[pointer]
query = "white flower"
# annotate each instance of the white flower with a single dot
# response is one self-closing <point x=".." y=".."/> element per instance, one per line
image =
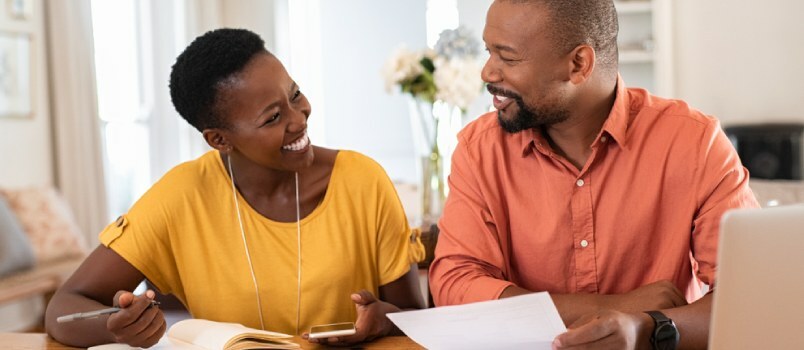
<point x="458" y="81"/>
<point x="403" y="65"/>
<point x="457" y="43"/>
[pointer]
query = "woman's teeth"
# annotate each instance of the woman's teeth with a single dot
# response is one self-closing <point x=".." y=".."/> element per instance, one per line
<point x="299" y="144"/>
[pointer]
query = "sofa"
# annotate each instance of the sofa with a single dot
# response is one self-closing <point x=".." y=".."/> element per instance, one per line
<point x="40" y="247"/>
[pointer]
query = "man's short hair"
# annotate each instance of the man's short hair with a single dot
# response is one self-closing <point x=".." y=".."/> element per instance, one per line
<point x="203" y="67"/>
<point x="590" y="22"/>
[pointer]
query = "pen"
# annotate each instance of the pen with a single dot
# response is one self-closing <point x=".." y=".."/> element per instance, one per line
<point x="93" y="314"/>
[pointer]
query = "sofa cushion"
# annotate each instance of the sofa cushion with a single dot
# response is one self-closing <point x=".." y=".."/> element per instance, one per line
<point x="47" y="220"/>
<point x="15" y="248"/>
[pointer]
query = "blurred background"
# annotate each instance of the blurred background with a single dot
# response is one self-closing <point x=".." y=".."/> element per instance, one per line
<point x="85" y="110"/>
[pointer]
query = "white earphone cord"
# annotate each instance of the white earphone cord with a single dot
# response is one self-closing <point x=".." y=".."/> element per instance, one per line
<point x="248" y="255"/>
<point x="245" y="244"/>
<point x="298" y="254"/>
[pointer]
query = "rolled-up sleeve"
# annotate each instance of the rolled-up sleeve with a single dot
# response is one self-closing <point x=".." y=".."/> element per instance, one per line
<point x="469" y="264"/>
<point x="723" y="186"/>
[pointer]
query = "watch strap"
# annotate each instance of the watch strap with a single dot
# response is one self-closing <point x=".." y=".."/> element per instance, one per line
<point x="662" y="323"/>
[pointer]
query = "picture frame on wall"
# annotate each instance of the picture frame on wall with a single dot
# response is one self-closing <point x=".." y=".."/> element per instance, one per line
<point x="15" y="75"/>
<point x="19" y="9"/>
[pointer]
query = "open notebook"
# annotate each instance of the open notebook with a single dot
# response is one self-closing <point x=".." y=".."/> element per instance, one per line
<point x="204" y="334"/>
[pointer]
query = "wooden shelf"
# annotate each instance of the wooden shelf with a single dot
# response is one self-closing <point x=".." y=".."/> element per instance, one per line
<point x="629" y="7"/>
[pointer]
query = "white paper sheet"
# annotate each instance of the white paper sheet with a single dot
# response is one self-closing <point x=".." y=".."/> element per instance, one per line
<point x="524" y="322"/>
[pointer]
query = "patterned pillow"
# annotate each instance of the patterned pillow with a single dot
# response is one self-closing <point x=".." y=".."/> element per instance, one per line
<point x="15" y="250"/>
<point x="47" y="220"/>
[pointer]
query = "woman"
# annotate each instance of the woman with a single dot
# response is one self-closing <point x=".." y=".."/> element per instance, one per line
<point x="223" y="232"/>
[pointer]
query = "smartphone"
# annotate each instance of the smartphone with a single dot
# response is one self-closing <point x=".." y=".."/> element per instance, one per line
<point x="332" y="330"/>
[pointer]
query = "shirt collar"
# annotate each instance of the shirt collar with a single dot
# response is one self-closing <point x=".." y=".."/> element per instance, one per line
<point x="616" y="123"/>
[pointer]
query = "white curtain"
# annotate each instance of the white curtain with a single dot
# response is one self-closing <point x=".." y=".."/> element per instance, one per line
<point x="76" y="128"/>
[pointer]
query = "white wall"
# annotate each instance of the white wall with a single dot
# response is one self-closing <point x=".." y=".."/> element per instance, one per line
<point x="742" y="61"/>
<point x="27" y="157"/>
<point x="357" y="38"/>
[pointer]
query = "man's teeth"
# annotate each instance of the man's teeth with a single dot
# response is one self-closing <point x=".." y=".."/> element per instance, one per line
<point x="501" y="98"/>
<point x="298" y="145"/>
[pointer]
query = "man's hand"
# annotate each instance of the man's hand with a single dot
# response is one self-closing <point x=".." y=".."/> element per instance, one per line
<point x="607" y="329"/>
<point x="655" y="296"/>
<point x="137" y="323"/>
<point x="371" y="321"/>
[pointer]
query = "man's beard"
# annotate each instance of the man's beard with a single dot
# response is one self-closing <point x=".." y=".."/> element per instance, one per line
<point x="527" y="117"/>
<point x="530" y="118"/>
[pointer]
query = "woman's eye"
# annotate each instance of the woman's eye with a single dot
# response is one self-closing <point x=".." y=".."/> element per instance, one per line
<point x="272" y="119"/>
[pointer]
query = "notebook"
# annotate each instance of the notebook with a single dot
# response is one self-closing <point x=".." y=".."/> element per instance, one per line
<point x="759" y="298"/>
<point x="197" y="334"/>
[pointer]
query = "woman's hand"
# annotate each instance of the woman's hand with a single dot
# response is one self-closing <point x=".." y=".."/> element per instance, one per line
<point x="137" y="323"/>
<point x="371" y="321"/>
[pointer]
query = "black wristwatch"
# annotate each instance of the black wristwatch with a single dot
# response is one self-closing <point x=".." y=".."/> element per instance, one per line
<point x="665" y="335"/>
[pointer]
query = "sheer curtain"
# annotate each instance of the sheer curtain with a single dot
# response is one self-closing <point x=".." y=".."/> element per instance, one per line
<point x="76" y="133"/>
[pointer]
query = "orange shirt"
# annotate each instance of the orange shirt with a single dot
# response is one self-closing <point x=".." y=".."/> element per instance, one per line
<point x="645" y="207"/>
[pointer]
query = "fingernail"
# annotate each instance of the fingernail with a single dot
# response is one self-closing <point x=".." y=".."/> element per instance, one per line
<point x="356" y="297"/>
<point x="151" y="294"/>
<point x="557" y="342"/>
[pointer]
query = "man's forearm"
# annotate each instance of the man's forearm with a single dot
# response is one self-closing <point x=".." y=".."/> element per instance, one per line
<point x="570" y="306"/>
<point x="692" y="322"/>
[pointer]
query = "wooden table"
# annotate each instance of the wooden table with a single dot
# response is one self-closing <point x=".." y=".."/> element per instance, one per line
<point x="31" y="341"/>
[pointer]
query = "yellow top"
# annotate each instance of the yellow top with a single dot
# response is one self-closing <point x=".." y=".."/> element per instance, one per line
<point x="184" y="236"/>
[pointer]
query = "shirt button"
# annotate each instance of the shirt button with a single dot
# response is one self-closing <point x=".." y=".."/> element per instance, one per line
<point x="579" y="182"/>
<point x="584" y="243"/>
<point x="603" y="139"/>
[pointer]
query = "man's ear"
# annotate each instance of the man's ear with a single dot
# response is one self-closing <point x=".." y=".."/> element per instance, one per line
<point x="217" y="140"/>
<point x="581" y="63"/>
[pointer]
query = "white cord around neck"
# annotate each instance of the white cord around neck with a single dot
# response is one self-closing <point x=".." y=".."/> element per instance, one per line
<point x="298" y="255"/>
<point x="245" y="244"/>
<point x="248" y="255"/>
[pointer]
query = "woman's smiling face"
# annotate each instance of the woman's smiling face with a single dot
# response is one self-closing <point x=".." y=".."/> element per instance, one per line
<point x="266" y="115"/>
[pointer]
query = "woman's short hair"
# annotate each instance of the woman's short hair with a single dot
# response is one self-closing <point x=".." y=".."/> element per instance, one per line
<point x="203" y="69"/>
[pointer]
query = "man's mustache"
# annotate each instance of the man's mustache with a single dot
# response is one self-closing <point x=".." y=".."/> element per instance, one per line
<point x="502" y="92"/>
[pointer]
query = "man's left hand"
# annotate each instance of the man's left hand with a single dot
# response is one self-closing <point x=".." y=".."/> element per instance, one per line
<point x="607" y="329"/>
<point x="371" y="321"/>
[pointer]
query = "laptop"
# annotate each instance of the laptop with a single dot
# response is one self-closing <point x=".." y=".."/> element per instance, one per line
<point x="759" y="298"/>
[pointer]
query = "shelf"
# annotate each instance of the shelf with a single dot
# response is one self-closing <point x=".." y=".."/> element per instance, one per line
<point x="628" y="7"/>
<point x="635" y="56"/>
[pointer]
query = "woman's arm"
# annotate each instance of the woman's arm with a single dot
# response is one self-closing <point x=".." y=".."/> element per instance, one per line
<point x="405" y="293"/>
<point x="95" y="285"/>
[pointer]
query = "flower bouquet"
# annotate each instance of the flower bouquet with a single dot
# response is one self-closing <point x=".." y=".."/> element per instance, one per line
<point x="442" y="82"/>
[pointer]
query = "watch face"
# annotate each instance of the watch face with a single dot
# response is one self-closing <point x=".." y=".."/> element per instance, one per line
<point x="666" y="336"/>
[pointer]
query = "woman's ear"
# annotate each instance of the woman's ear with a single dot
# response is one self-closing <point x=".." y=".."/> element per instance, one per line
<point x="217" y="140"/>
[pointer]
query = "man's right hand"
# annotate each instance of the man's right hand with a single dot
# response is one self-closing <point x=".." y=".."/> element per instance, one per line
<point x="655" y="296"/>
<point x="137" y="323"/>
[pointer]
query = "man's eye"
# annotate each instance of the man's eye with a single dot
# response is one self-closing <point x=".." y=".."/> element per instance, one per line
<point x="296" y="95"/>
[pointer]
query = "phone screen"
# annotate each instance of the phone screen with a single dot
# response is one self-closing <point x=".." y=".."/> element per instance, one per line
<point x="332" y="330"/>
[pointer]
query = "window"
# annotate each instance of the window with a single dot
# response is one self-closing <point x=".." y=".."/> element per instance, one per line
<point x="124" y="104"/>
<point x="441" y="15"/>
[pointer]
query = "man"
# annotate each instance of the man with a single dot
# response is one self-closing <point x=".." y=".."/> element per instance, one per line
<point x="609" y="198"/>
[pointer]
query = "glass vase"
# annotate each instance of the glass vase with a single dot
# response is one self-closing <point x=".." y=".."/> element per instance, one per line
<point x="432" y="188"/>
